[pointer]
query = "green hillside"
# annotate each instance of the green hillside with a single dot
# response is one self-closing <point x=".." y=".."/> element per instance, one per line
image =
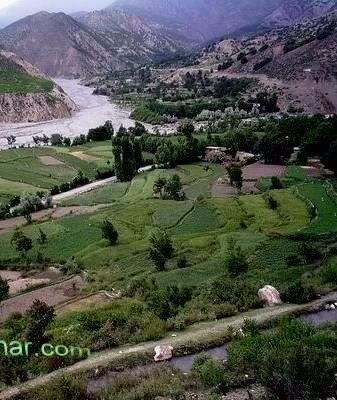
<point x="14" y="79"/>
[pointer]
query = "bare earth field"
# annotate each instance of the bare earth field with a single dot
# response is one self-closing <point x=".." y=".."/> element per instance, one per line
<point x="51" y="295"/>
<point x="255" y="171"/>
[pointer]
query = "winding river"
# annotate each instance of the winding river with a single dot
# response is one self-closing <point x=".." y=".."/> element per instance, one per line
<point x="94" y="111"/>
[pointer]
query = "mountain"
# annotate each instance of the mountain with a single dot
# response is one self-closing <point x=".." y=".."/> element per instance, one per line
<point x="26" y="95"/>
<point x="59" y="45"/>
<point x="199" y="20"/>
<point x="204" y="20"/>
<point x="294" y="11"/>
<point x="128" y="36"/>
<point x="298" y="62"/>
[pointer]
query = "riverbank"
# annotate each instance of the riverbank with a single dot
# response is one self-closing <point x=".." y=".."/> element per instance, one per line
<point x="93" y="111"/>
<point x="195" y="339"/>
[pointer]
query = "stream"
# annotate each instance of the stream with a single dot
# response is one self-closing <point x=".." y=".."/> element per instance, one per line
<point x="185" y="363"/>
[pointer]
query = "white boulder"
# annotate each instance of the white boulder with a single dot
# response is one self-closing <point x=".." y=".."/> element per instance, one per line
<point x="270" y="296"/>
<point x="163" y="353"/>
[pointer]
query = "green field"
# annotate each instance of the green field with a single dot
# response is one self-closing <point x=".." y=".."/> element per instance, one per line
<point x="15" y="79"/>
<point x="325" y="202"/>
<point x="200" y="229"/>
<point x="25" y="166"/>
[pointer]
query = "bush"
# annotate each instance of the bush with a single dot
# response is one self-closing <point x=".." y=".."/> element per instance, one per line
<point x="299" y="294"/>
<point x="208" y="371"/>
<point x="64" y="388"/>
<point x="329" y="274"/>
<point x="182" y="262"/>
<point x="109" y="232"/>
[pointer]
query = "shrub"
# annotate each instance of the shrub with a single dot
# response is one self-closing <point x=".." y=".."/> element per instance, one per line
<point x="109" y="232"/>
<point x="182" y="262"/>
<point x="299" y="294"/>
<point x="208" y="371"/>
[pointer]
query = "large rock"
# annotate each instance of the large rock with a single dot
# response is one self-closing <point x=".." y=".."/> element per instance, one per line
<point x="163" y="353"/>
<point x="270" y="296"/>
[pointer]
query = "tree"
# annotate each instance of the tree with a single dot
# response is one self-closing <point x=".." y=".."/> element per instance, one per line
<point x="159" y="186"/>
<point x="11" y="140"/>
<point x="158" y="259"/>
<point x="42" y="237"/>
<point x="235" y="176"/>
<point x="4" y="289"/>
<point x="22" y="243"/>
<point x="160" y="241"/>
<point x="173" y="188"/>
<point x="40" y="315"/>
<point x="169" y="189"/>
<point x="109" y="232"/>
<point x="30" y="203"/>
<point x="236" y="262"/>
<point x="56" y="139"/>
<point x="276" y="183"/>
<point x="186" y="129"/>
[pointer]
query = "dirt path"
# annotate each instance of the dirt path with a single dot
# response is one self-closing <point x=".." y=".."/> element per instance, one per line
<point x="43" y="215"/>
<point x="199" y="333"/>
<point x="83" y="189"/>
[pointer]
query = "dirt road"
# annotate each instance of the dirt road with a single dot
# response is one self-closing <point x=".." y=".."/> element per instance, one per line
<point x="199" y="333"/>
<point x="83" y="189"/>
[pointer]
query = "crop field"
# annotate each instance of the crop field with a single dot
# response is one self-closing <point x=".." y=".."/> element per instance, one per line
<point x="25" y="166"/>
<point x="200" y="230"/>
<point x="325" y="202"/>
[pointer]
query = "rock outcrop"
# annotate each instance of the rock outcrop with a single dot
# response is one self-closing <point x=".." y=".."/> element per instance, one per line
<point x="270" y="296"/>
<point x="163" y="353"/>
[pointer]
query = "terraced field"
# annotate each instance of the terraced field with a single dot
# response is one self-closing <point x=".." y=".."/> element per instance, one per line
<point x="324" y="199"/>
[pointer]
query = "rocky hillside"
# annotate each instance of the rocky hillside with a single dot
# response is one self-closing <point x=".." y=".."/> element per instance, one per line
<point x="294" y="11"/>
<point x="301" y="58"/>
<point x="199" y="20"/>
<point x="203" y="20"/>
<point x="87" y="45"/>
<point x="59" y="45"/>
<point x="128" y="36"/>
<point x="26" y="95"/>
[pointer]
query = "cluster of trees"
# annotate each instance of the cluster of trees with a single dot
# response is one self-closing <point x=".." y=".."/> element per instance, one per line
<point x="25" y="205"/>
<point x="79" y="180"/>
<point x="169" y="189"/>
<point x="226" y="64"/>
<point x="99" y="134"/>
<point x="262" y="63"/>
<point x="314" y="135"/>
<point x="128" y="156"/>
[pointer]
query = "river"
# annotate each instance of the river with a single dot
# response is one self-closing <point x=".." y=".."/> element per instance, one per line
<point x="94" y="111"/>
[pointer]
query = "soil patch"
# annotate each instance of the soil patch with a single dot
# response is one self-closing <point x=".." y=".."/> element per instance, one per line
<point x="258" y="170"/>
<point x="48" y="160"/>
<point x="52" y="295"/>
